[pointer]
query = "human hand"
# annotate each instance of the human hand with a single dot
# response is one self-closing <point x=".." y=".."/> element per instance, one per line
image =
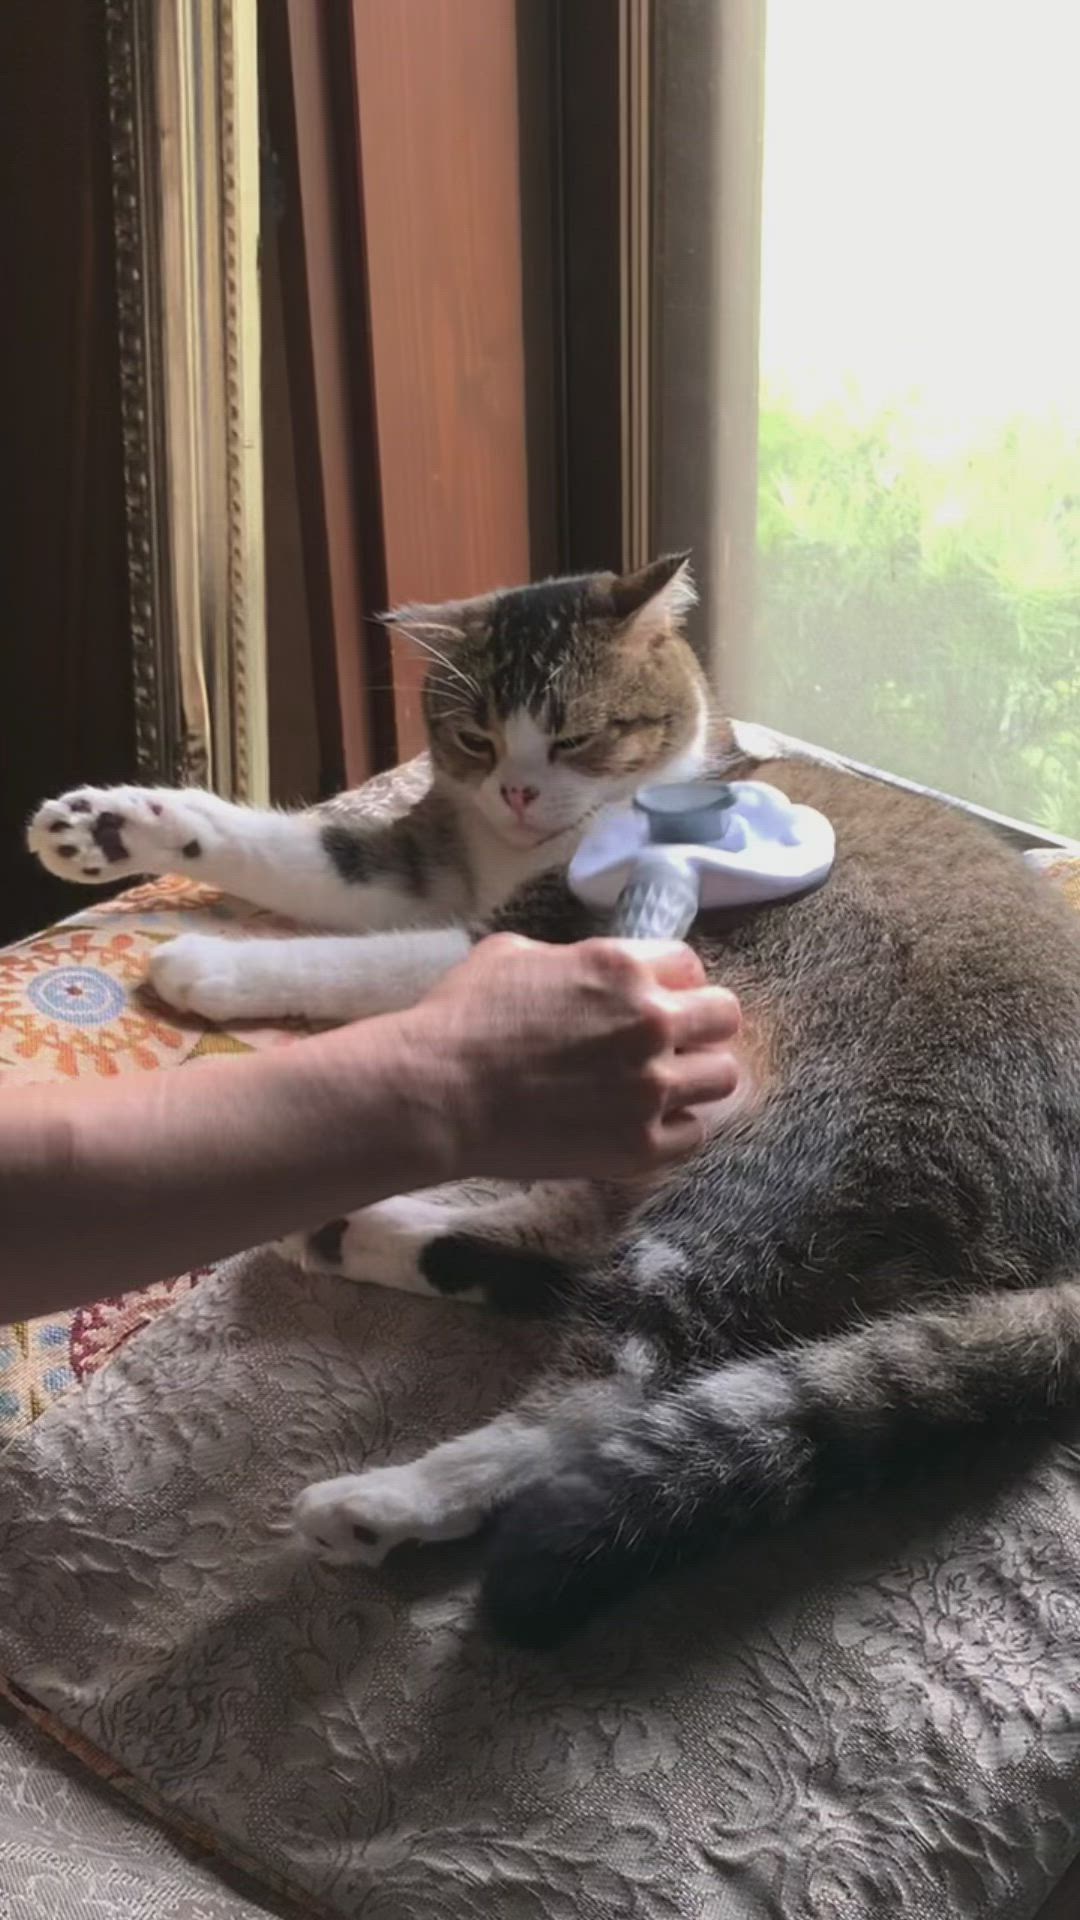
<point x="583" y="1061"/>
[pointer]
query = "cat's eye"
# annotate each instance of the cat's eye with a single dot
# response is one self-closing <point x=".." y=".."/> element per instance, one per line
<point x="572" y="742"/>
<point x="473" y="742"/>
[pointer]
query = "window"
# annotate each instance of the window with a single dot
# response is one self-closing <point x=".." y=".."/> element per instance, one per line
<point x="917" y="596"/>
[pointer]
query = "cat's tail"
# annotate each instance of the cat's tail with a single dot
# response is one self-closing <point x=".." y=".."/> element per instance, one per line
<point x="752" y="1442"/>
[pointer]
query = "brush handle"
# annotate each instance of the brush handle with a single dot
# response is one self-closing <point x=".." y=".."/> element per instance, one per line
<point x="660" y="903"/>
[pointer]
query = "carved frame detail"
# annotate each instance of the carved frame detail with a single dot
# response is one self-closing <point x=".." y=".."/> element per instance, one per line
<point x="184" y="121"/>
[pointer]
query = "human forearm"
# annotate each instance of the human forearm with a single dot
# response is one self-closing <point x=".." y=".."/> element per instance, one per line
<point x="526" y="1062"/>
<point x="110" y="1187"/>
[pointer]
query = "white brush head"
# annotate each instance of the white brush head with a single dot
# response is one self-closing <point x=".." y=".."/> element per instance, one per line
<point x="756" y="845"/>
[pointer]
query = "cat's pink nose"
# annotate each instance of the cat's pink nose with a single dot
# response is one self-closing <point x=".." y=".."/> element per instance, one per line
<point x="519" y="799"/>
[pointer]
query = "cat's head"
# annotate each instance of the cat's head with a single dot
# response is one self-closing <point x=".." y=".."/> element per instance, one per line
<point x="548" y="701"/>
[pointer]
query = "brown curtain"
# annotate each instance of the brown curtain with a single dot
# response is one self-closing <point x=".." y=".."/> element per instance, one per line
<point x="397" y="132"/>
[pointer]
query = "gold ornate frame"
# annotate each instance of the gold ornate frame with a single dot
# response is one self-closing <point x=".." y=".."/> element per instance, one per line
<point x="184" y="119"/>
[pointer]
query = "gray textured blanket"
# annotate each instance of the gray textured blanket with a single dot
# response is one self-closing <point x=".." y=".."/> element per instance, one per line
<point x="877" y="1714"/>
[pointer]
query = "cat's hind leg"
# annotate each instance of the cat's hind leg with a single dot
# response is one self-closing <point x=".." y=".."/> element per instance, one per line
<point x="517" y="1253"/>
<point x="451" y="1491"/>
<point x="447" y="1494"/>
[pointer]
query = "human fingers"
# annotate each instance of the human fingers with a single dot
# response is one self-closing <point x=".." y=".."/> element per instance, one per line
<point x="678" y="1136"/>
<point x="698" y="1079"/>
<point x="702" y="1017"/>
<point x="670" y="963"/>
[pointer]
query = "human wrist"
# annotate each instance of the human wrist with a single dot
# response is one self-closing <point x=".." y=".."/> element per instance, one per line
<point x="395" y="1100"/>
<point x="436" y="1078"/>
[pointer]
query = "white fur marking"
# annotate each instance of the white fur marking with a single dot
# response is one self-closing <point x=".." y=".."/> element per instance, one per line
<point x="527" y="745"/>
<point x="657" y="1260"/>
<point x="636" y="1360"/>
<point x="750" y="1390"/>
<point x="382" y="1245"/>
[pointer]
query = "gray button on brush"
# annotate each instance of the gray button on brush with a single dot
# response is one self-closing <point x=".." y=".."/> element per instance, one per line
<point x="691" y="813"/>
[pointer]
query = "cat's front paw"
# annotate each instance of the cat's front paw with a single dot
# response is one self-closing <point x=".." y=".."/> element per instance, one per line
<point x="105" y="833"/>
<point x="200" y="974"/>
<point x="359" y="1518"/>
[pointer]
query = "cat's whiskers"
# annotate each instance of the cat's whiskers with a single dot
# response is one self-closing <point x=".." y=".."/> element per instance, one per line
<point x="443" y="660"/>
<point x="440" y="683"/>
<point x="451" y="706"/>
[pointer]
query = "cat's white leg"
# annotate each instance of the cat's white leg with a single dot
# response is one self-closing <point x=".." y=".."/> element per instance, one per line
<point x="298" y="864"/>
<point x="383" y="1244"/>
<point x="103" y="833"/>
<point x="324" y="977"/>
<point x="386" y="1244"/>
<point x="446" y="1495"/>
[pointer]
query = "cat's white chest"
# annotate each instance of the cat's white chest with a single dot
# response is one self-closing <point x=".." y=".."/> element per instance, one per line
<point x="505" y="869"/>
<point x="499" y="870"/>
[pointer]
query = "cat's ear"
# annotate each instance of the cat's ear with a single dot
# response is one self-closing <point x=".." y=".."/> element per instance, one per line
<point x="445" y="625"/>
<point x="432" y="626"/>
<point x="652" y="602"/>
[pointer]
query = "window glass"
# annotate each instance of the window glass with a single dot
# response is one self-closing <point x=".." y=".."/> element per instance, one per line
<point x="918" y="588"/>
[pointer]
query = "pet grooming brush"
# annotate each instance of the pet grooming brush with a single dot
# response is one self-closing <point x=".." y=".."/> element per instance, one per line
<point x="692" y="847"/>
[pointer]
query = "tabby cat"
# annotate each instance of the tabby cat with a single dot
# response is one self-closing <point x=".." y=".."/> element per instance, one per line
<point x="877" y="1246"/>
